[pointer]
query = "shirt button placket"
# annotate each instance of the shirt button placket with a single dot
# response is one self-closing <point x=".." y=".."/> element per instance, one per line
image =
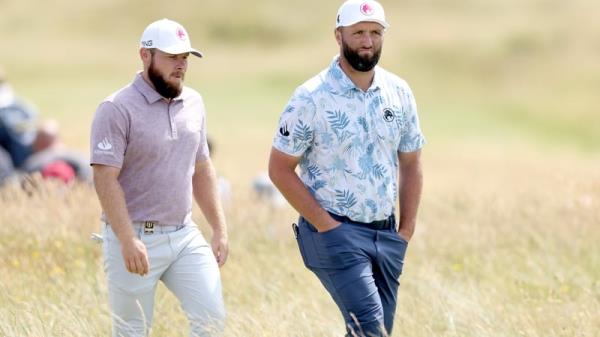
<point x="172" y="122"/>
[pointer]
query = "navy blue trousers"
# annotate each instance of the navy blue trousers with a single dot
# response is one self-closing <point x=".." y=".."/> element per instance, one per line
<point x="360" y="268"/>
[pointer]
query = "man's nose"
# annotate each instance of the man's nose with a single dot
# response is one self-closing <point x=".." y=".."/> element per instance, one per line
<point x="367" y="41"/>
<point x="181" y="64"/>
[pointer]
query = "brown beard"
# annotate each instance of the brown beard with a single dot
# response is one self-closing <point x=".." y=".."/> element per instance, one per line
<point x="164" y="88"/>
<point x="360" y="63"/>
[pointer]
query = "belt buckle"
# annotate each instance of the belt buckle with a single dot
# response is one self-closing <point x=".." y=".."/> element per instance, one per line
<point x="149" y="227"/>
<point x="380" y="224"/>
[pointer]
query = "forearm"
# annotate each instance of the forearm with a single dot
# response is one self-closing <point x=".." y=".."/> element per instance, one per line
<point x="411" y="184"/>
<point x="206" y="195"/>
<point x="296" y="193"/>
<point x="112" y="200"/>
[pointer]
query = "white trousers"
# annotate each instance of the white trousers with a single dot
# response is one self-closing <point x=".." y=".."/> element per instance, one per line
<point x="184" y="262"/>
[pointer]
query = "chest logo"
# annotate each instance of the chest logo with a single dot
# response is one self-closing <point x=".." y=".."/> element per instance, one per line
<point x="388" y="115"/>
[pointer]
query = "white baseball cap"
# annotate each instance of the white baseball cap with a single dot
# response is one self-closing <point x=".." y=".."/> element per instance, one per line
<point x="169" y="37"/>
<point x="355" y="11"/>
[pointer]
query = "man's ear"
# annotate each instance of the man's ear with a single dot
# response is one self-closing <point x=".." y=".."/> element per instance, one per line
<point x="338" y="36"/>
<point x="145" y="55"/>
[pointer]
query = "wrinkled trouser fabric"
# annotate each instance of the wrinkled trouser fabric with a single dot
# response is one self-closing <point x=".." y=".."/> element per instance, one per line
<point x="184" y="262"/>
<point x="360" y="268"/>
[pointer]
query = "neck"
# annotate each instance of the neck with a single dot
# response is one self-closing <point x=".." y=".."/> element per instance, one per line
<point x="362" y="79"/>
<point x="147" y="79"/>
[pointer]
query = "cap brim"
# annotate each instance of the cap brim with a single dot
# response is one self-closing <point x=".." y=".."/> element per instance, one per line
<point x="196" y="53"/>
<point x="182" y="51"/>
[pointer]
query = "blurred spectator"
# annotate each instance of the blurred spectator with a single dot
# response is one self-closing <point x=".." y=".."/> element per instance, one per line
<point x="17" y="125"/>
<point x="59" y="170"/>
<point x="264" y="188"/>
<point x="78" y="163"/>
<point x="6" y="167"/>
<point x="25" y="146"/>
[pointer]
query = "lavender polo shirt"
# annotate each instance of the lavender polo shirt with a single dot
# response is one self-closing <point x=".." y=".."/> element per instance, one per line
<point x="156" y="144"/>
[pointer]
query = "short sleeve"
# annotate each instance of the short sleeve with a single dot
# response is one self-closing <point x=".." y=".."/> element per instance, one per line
<point x="412" y="138"/>
<point x="295" y="134"/>
<point x="109" y="132"/>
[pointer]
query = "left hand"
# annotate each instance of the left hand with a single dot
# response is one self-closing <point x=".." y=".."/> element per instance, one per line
<point x="220" y="247"/>
<point x="405" y="234"/>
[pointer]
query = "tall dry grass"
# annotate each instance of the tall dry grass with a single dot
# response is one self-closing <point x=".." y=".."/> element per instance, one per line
<point x="505" y="246"/>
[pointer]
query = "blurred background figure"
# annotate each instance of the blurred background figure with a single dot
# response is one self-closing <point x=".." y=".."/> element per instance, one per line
<point x="49" y="160"/>
<point x="17" y="125"/>
<point x="28" y="146"/>
<point x="6" y="167"/>
<point x="267" y="192"/>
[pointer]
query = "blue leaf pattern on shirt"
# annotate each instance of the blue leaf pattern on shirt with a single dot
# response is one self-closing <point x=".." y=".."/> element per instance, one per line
<point x="326" y="138"/>
<point x="302" y="134"/>
<point x="338" y="121"/>
<point x="318" y="184"/>
<point x="372" y="205"/>
<point x="363" y="122"/>
<point x="313" y="172"/>
<point x="338" y="164"/>
<point x="378" y="171"/>
<point x="382" y="190"/>
<point x="345" y="199"/>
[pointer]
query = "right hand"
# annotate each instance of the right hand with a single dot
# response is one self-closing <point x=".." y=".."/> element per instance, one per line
<point x="135" y="256"/>
<point x="331" y="225"/>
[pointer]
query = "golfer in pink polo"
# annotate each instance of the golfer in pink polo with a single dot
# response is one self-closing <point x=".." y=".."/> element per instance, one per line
<point x="150" y="159"/>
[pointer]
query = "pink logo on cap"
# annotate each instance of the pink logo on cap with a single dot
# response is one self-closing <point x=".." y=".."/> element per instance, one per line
<point x="180" y="33"/>
<point x="366" y="9"/>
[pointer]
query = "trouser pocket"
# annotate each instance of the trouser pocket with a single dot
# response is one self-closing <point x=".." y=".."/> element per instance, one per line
<point x="306" y="244"/>
<point x="393" y="247"/>
<point x="334" y="249"/>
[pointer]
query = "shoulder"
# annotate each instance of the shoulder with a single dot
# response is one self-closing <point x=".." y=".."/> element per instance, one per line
<point x="191" y="95"/>
<point x="392" y="79"/>
<point x="316" y="83"/>
<point x="125" y="94"/>
<point x="118" y="101"/>
<point x="312" y="86"/>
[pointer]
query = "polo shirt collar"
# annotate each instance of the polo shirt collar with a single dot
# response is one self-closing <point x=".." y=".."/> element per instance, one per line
<point x="339" y="81"/>
<point x="149" y="93"/>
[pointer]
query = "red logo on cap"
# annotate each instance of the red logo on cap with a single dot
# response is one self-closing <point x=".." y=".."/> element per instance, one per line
<point x="366" y="9"/>
<point x="180" y="33"/>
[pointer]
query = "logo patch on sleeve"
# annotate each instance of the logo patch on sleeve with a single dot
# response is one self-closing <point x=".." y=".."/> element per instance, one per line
<point x="105" y="145"/>
<point x="283" y="130"/>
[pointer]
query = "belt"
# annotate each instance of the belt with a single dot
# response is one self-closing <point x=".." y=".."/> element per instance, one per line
<point x="388" y="223"/>
<point x="151" y="227"/>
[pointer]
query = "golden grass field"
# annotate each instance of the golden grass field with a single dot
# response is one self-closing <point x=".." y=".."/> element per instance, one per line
<point x="507" y="238"/>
